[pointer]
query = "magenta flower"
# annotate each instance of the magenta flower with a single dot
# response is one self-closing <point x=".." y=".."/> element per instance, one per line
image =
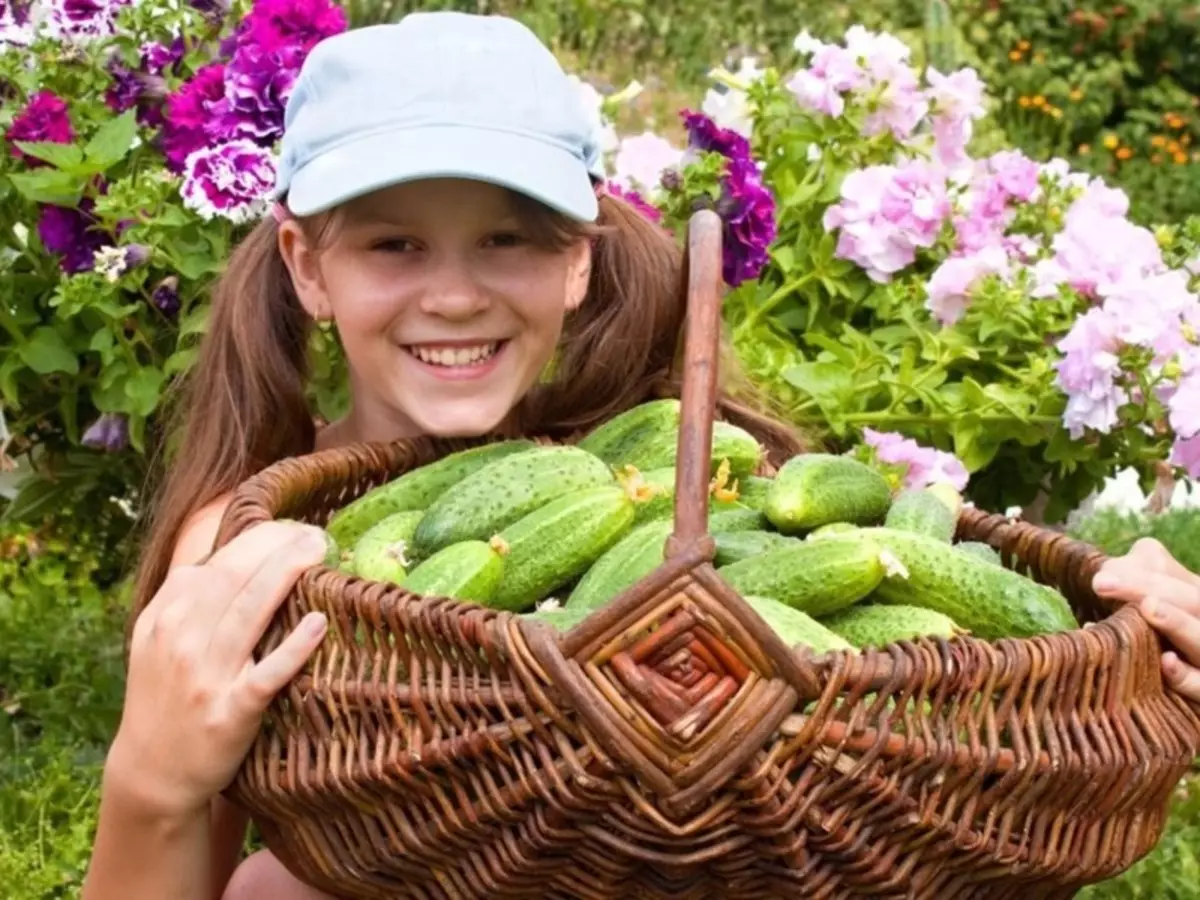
<point x="166" y="296"/>
<point x="109" y="433"/>
<point x="72" y="235"/>
<point x="704" y="135"/>
<point x="44" y="118"/>
<point x="257" y="86"/>
<point x="273" y="24"/>
<point x="229" y="181"/>
<point x="636" y="200"/>
<point x="190" y="114"/>
<point x="83" y="20"/>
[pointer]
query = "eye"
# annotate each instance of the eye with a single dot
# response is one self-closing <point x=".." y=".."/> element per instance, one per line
<point x="505" y="239"/>
<point x="393" y="245"/>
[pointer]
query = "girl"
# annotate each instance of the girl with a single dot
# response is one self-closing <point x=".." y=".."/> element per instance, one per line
<point x="440" y="199"/>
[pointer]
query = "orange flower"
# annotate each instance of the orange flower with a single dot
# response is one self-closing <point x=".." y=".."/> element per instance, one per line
<point x="1180" y="158"/>
<point x="1023" y="45"/>
<point x="1173" y="147"/>
<point x="1015" y="55"/>
<point x="1186" y="140"/>
<point x="1085" y="149"/>
<point x="1124" y="153"/>
<point x="1055" y="112"/>
<point x="1110" y="141"/>
<point x="1039" y="100"/>
<point x="1157" y="141"/>
<point x="1024" y="101"/>
<point x="1076" y="95"/>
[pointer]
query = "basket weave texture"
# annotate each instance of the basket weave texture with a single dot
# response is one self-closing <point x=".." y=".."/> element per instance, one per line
<point x="671" y="746"/>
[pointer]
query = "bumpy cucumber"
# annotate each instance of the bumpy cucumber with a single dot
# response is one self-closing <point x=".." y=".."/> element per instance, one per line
<point x="625" y="563"/>
<point x="561" y="618"/>
<point x="489" y="500"/>
<point x="815" y="489"/>
<point x="469" y="570"/>
<point x="815" y="577"/>
<point x="416" y="489"/>
<point x="795" y="627"/>
<point x="923" y="511"/>
<point x="381" y="554"/>
<point x="983" y="551"/>
<point x="734" y="546"/>
<point x="877" y="625"/>
<point x="613" y="440"/>
<point x="558" y="542"/>
<point x="832" y="528"/>
<point x="988" y="600"/>
<point x="660" y="449"/>
<point x="752" y="491"/>
<point x="736" y="518"/>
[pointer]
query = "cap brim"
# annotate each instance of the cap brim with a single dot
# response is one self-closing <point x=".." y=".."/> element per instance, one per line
<point x="540" y="170"/>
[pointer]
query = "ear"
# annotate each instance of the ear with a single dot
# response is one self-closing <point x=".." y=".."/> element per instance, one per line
<point x="579" y="275"/>
<point x="304" y="266"/>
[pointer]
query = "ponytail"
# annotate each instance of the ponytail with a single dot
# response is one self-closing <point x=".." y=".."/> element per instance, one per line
<point x="242" y="406"/>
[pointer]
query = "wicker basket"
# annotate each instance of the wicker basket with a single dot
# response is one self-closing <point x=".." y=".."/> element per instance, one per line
<point x="671" y="746"/>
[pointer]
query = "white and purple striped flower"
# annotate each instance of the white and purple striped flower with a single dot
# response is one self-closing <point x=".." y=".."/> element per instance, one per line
<point x="229" y="181"/>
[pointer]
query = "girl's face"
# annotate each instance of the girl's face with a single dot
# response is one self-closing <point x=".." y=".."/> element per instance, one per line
<point x="447" y="308"/>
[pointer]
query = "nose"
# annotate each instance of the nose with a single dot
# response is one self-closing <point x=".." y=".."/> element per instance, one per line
<point x="453" y="291"/>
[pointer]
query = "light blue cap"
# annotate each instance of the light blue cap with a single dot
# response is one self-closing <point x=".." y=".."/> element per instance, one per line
<point x="437" y="95"/>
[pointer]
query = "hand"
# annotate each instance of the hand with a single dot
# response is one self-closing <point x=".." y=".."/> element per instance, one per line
<point x="1168" y="595"/>
<point x="195" y="697"/>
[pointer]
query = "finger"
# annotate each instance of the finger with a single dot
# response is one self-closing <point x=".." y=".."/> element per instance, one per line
<point x="1136" y="588"/>
<point x="1181" y="629"/>
<point x="261" y="682"/>
<point x="1183" y="678"/>
<point x="242" y="557"/>
<point x="249" y="612"/>
<point x="1150" y="554"/>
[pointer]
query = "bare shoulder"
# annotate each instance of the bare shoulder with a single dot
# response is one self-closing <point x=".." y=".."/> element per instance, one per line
<point x="200" y="531"/>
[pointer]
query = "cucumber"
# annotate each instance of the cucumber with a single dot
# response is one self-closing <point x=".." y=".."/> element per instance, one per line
<point x="752" y="491"/>
<point x="632" y="558"/>
<point x="490" y="499"/>
<point x="613" y="440"/>
<point x="832" y="528"/>
<point x="381" y="554"/>
<point x="416" y="489"/>
<point x="815" y="577"/>
<point x="875" y="625"/>
<point x="736" y="518"/>
<point x="470" y="571"/>
<point x="923" y="511"/>
<point x="983" y="551"/>
<point x="815" y="489"/>
<point x="988" y="600"/>
<point x="562" y="618"/>
<point x="558" y="542"/>
<point x="795" y="627"/>
<point x="661" y="485"/>
<point x="660" y="449"/>
<point x="734" y="546"/>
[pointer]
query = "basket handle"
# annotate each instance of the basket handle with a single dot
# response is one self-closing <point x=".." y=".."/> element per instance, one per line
<point x="698" y="399"/>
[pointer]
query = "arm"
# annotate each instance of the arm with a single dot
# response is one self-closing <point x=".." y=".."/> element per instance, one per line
<point x="193" y="703"/>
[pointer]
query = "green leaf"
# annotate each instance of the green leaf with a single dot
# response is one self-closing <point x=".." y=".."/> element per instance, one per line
<point x="112" y="141"/>
<point x="144" y="388"/>
<point x="48" y="186"/>
<point x="46" y="352"/>
<point x="36" y="497"/>
<point x="62" y="156"/>
<point x="971" y="443"/>
<point x="820" y="379"/>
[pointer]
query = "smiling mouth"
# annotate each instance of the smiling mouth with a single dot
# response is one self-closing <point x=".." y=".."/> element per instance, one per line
<point x="456" y="356"/>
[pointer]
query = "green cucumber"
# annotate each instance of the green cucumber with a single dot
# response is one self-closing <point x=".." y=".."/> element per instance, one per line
<point x="381" y="554"/>
<point x="816" y="489"/>
<point x="632" y="558"/>
<point x="489" y="500"/>
<point x="416" y="489"/>
<point x="470" y="571"/>
<point x="877" y="625"/>
<point x="734" y="546"/>
<point x="560" y="617"/>
<point x="924" y="511"/>
<point x="736" y="518"/>
<point x="983" y="551"/>
<point x="661" y="502"/>
<point x="660" y="449"/>
<point x="832" y="528"/>
<point x="558" y="542"/>
<point x="796" y="628"/>
<point x="613" y="440"/>
<point x="988" y="600"/>
<point x="752" y="491"/>
<point x="815" y="577"/>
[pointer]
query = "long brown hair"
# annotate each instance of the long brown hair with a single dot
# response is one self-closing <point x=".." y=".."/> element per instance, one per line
<point x="243" y="407"/>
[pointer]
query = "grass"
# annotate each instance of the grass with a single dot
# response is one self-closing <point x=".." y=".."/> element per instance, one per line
<point x="61" y="687"/>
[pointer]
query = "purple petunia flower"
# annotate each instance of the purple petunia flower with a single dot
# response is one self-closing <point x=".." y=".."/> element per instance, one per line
<point x="231" y="181"/>
<point x="109" y="433"/>
<point x="273" y="24"/>
<point x="190" y="112"/>
<point x="83" y="20"/>
<point x="258" y="83"/>
<point x="126" y="87"/>
<point x="15" y="27"/>
<point x="44" y="118"/>
<point x="636" y="200"/>
<point x="166" y="296"/>
<point x="158" y="58"/>
<point x="72" y="235"/>
<point x="746" y="206"/>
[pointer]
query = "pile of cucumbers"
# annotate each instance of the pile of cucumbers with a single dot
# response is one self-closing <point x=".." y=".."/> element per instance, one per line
<point x="826" y="552"/>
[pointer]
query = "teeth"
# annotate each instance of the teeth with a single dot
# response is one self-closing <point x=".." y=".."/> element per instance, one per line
<point x="458" y="356"/>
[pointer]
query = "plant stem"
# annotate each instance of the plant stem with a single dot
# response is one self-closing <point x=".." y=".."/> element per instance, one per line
<point x="789" y="288"/>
